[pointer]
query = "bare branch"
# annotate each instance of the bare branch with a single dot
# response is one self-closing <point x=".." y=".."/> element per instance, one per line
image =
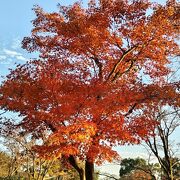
<point x="107" y="175"/>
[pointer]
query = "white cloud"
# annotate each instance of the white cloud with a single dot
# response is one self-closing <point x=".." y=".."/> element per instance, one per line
<point x="7" y="62"/>
<point x="11" y="53"/>
<point x="2" y="57"/>
<point x="21" y="58"/>
<point x="16" y="44"/>
<point x="4" y="61"/>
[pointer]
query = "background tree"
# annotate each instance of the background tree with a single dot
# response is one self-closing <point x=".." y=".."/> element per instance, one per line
<point x="137" y="168"/>
<point x="86" y="81"/>
<point x="137" y="175"/>
<point x="161" y="144"/>
<point x="20" y="160"/>
<point x="4" y="164"/>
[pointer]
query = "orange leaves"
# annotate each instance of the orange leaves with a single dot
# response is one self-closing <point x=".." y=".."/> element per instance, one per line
<point x="55" y="151"/>
<point x="68" y="140"/>
<point x="102" y="153"/>
<point x="81" y="132"/>
<point x="139" y="132"/>
<point x="99" y="31"/>
<point x="82" y="119"/>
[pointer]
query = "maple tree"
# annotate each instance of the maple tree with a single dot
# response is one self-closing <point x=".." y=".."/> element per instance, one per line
<point x="86" y="86"/>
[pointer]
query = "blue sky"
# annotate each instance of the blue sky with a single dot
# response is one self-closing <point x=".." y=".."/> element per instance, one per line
<point x="15" y="23"/>
<point x="16" y="15"/>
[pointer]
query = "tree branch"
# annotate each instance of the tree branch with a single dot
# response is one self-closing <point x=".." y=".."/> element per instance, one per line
<point x="119" y="61"/>
<point x="107" y="175"/>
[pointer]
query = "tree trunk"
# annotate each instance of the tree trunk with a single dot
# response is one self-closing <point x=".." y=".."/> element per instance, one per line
<point x="72" y="160"/>
<point x="82" y="174"/>
<point x="89" y="170"/>
<point x="170" y="176"/>
<point x="81" y="171"/>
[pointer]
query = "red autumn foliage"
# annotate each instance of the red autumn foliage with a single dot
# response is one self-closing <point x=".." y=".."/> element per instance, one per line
<point x="85" y="89"/>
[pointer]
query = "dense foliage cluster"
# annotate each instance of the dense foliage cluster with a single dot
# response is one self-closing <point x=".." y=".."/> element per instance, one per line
<point x="87" y="89"/>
